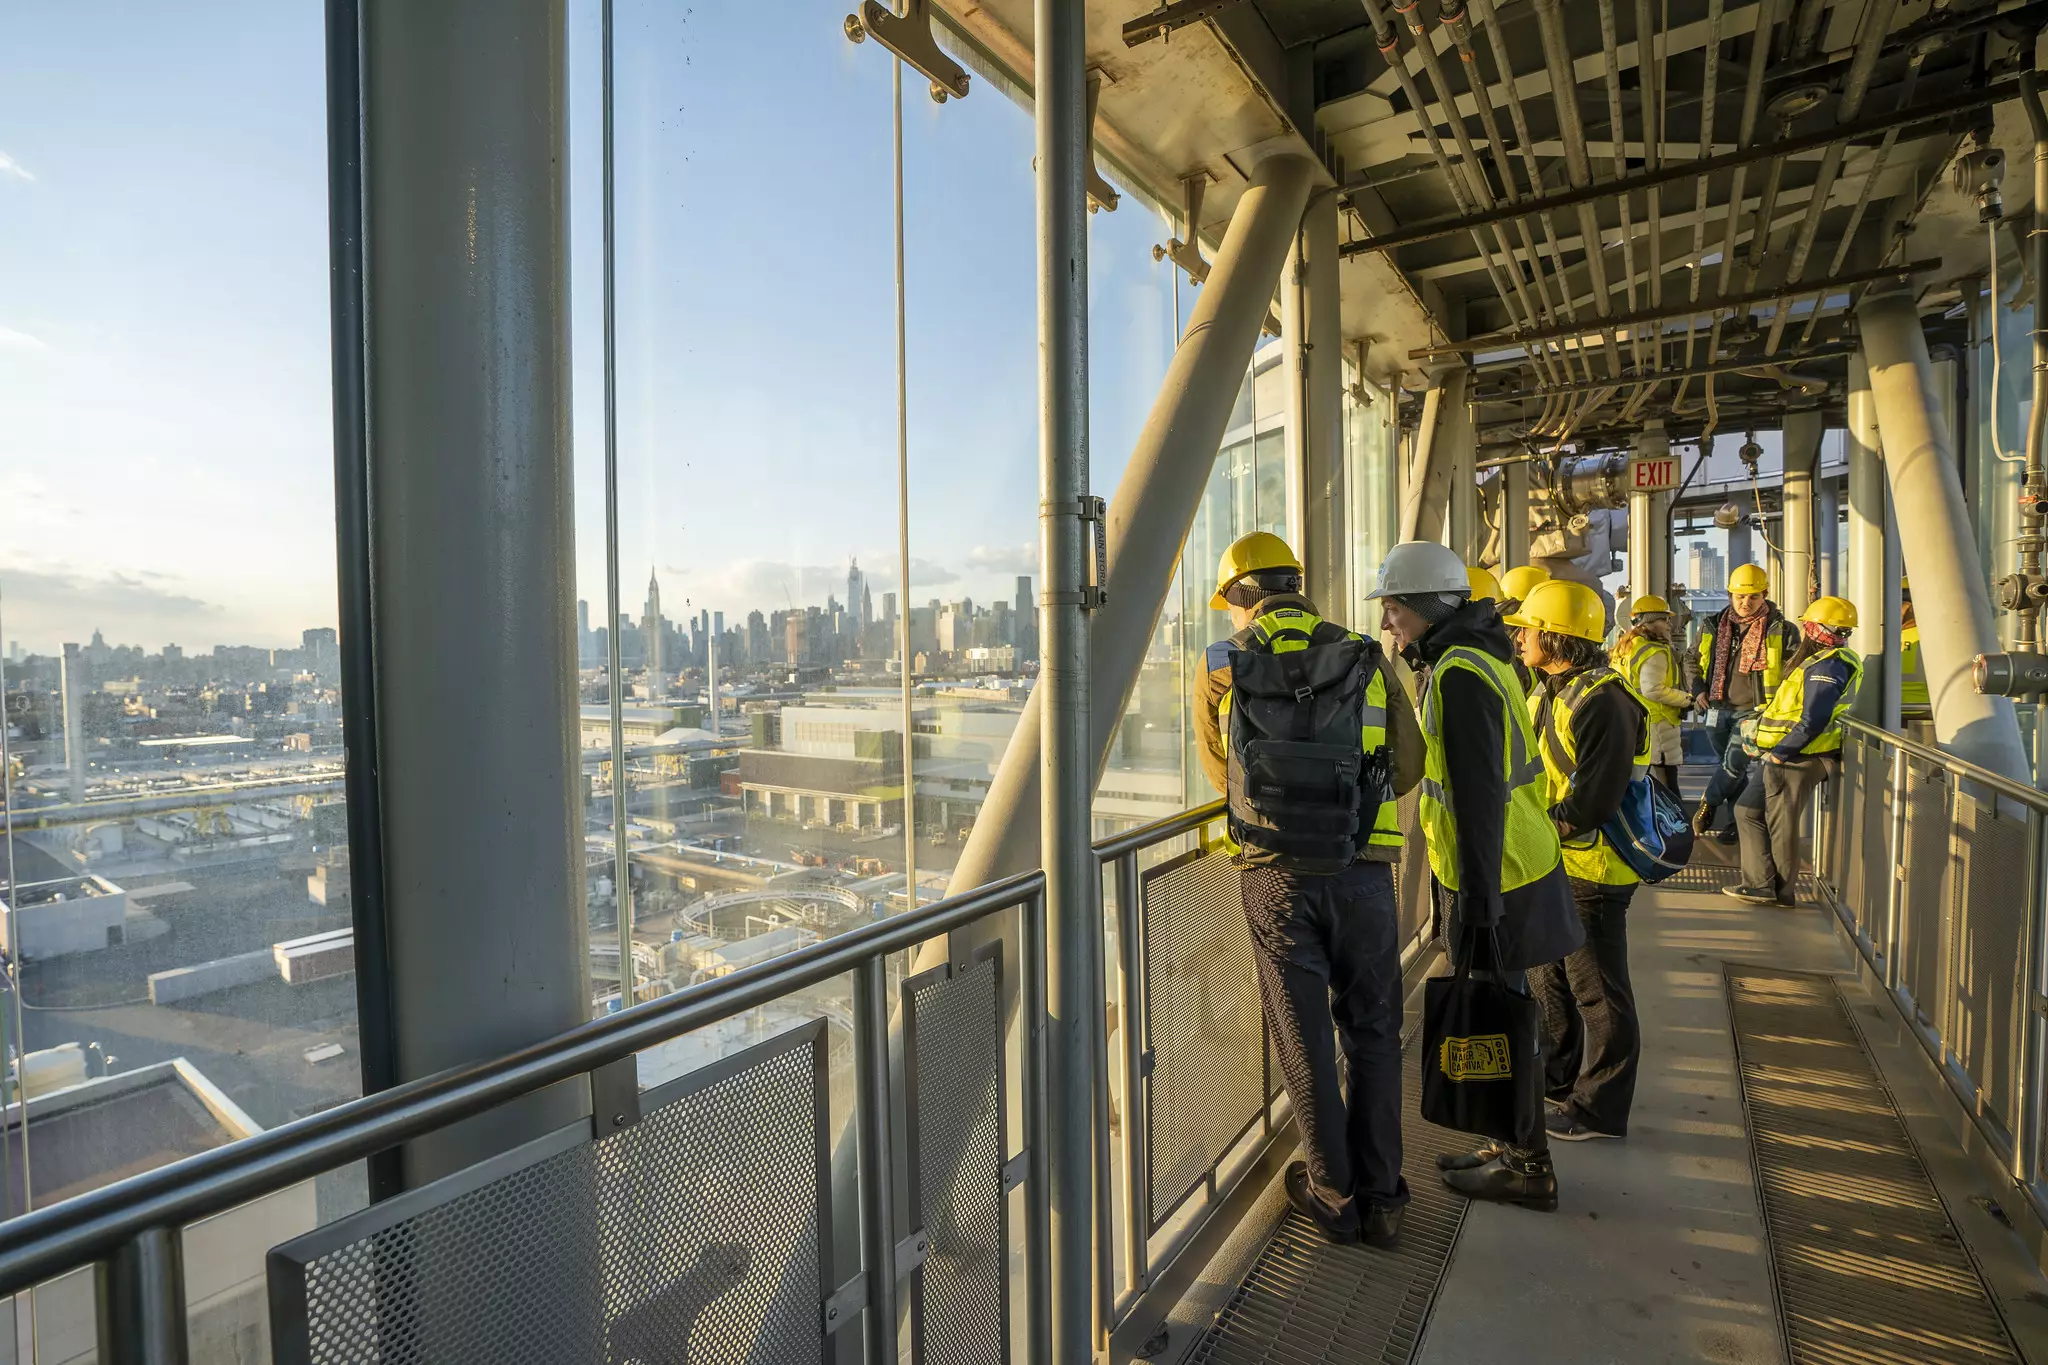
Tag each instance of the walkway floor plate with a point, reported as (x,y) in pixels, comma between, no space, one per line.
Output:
(1307,1302)
(1866,1263)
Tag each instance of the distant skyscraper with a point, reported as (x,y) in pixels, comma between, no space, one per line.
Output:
(889,608)
(857,600)
(1706,571)
(1026,624)
(650,626)
(583,654)
(322,649)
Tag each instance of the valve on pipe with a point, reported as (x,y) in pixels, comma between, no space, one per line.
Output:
(2010,675)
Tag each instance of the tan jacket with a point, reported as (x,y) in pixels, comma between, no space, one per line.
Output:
(1404,734)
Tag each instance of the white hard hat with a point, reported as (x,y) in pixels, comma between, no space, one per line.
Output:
(1421,566)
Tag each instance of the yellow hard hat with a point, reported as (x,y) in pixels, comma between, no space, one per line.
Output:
(1484,584)
(1836,613)
(1254,553)
(1564,607)
(1517,583)
(1649,604)
(1748,578)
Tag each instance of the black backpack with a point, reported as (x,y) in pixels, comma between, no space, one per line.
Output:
(1303,794)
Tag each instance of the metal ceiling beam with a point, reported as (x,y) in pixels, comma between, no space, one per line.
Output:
(1961,101)
(1675,313)
(1734,362)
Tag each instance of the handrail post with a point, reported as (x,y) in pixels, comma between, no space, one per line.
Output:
(1893,908)
(140,1301)
(1131,1016)
(1038,1181)
(877,1198)
(2025,1118)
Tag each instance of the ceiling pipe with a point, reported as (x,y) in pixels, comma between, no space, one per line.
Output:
(1956,102)
(1877,22)
(1699,191)
(1649,316)
(1831,351)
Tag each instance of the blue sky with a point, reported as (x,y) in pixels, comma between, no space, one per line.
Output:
(165,468)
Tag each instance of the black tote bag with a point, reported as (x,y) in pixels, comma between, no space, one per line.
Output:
(1482,1059)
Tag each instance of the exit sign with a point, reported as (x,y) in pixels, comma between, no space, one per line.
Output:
(1655,474)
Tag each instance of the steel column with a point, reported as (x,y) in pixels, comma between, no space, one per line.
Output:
(1936,538)
(465,141)
(1425,494)
(1827,536)
(1315,353)
(1458,441)
(1802,453)
(1155,502)
(1867,541)
(877,1156)
(1649,524)
(1514,515)
(1073,912)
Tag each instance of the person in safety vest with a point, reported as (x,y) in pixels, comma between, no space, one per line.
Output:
(1646,657)
(1742,653)
(1594,735)
(1493,851)
(1912,677)
(1323,919)
(1799,743)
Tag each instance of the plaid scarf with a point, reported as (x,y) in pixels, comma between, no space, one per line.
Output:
(1754,637)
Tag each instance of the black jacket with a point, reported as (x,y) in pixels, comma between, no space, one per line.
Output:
(1606,734)
(1531,924)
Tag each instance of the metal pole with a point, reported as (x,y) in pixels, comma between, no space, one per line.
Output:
(1458,442)
(1037,1140)
(1425,499)
(140,1301)
(358,666)
(1073,914)
(1802,452)
(615,675)
(903,515)
(473,544)
(1131,1013)
(1649,545)
(1324,545)
(1827,536)
(877,1198)
(1939,543)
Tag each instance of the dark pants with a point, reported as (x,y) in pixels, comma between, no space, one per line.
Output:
(1327,952)
(1727,782)
(1767,815)
(1591,1040)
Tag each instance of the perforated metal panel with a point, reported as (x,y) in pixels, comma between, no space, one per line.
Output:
(1202,1017)
(1923,896)
(1990,908)
(694,1234)
(1877,862)
(953,1064)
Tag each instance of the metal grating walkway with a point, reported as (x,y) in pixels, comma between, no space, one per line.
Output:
(1866,1264)
(1308,1301)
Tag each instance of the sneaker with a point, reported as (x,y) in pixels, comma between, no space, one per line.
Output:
(1567,1127)
(1500,1183)
(1382,1228)
(1754,895)
(1469,1161)
(1342,1231)
(1703,819)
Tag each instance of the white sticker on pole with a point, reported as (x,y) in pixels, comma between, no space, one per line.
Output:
(1653,473)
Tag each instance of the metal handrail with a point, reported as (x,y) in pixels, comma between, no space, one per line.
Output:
(1144,836)
(1960,767)
(92,1226)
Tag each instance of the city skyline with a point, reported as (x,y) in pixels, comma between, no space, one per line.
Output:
(165,415)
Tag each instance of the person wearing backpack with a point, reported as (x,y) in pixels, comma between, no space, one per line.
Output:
(1646,657)
(1492,849)
(1799,742)
(1594,735)
(1303,726)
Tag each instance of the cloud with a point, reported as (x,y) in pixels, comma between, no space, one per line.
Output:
(9,166)
(48,606)
(12,340)
(1010,559)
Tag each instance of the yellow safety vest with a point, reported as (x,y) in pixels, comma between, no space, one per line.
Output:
(1788,704)
(1913,692)
(1528,847)
(1286,630)
(1774,654)
(1631,657)
(1589,858)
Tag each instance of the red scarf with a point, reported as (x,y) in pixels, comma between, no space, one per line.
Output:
(1751,658)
